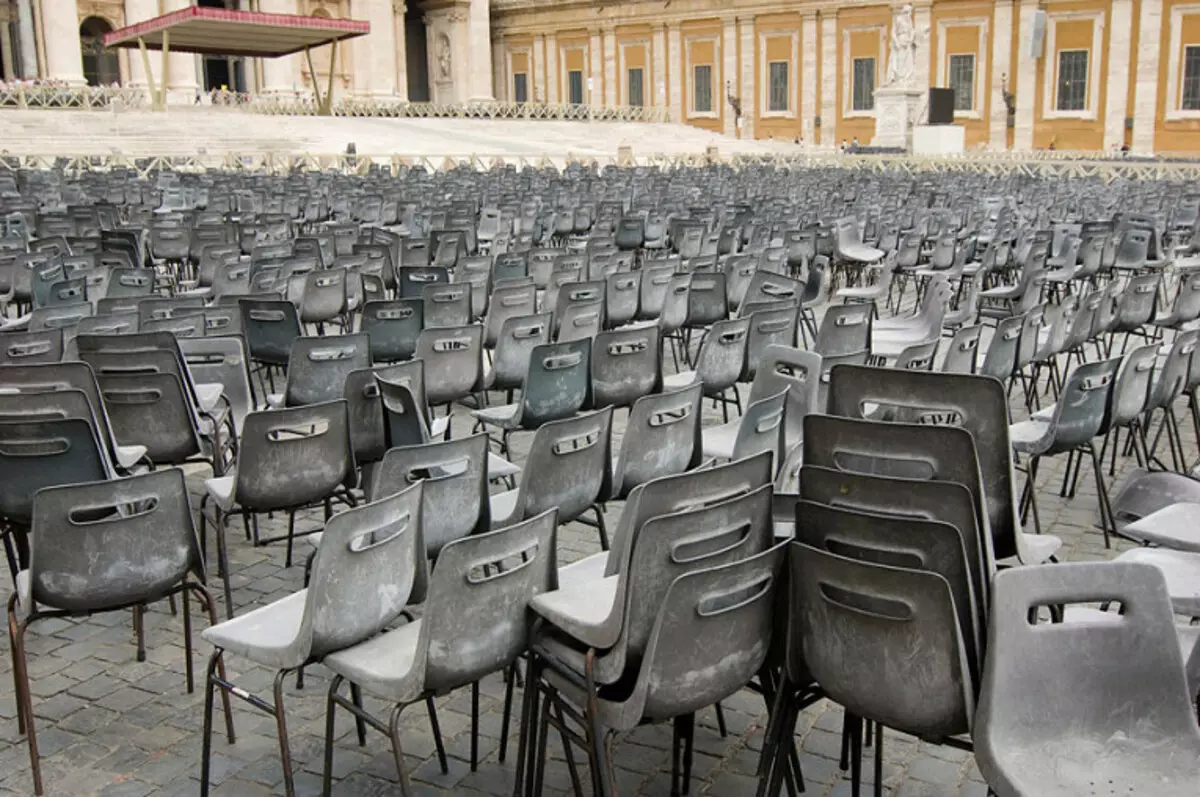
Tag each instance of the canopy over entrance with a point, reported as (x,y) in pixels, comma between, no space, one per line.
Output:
(219,31)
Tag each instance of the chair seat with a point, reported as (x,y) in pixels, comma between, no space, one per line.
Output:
(24,595)
(1035,549)
(384,665)
(438,427)
(1176,526)
(718,441)
(1031,437)
(266,636)
(866,292)
(208,395)
(589,568)
(275,400)
(679,380)
(501,468)
(503,506)
(582,610)
(221,490)
(503,415)
(1182,571)
(128,456)
(862,253)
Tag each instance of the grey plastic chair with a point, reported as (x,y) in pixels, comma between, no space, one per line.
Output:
(1168,385)
(626,365)
(30,348)
(393,326)
(1120,717)
(854,614)
(622,297)
(569,467)
(318,367)
(453,358)
(557,385)
(222,361)
(656,281)
(845,329)
(442,649)
(514,346)
(719,363)
(270,326)
(509,300)
(1000,359)
(719,613)
(447,305)
(580,321)
(362,576)
(1138,306)
(662,438)
(288,459)
(775,326)
(101,547)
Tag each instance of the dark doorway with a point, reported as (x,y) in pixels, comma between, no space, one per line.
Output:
(100,66)
(418,54)
(222,72)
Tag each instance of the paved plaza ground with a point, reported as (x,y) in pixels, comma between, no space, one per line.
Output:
(109,725)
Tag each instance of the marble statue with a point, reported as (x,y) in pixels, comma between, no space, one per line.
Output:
(902,58)
(443,56)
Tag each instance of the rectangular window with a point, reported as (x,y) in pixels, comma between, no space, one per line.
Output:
(1072,80)
(702,89)
(1191,79)
(575,87)
(778,82)
(637,97)
(520,87)
(962,81)
(864,84)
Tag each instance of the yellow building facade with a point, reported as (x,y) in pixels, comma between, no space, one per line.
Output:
(1062,74)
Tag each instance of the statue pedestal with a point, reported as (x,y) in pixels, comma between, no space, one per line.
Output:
(896,111)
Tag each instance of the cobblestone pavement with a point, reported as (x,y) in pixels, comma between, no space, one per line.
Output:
(110,725)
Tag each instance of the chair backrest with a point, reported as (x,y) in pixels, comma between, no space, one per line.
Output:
(58,317)
(1083,405)
(1123,677)
(270,326)
(662,439)
(799,373)
(151,409)
(722,356)
(1138,302)
(1173,375)
(569,466)
(1000,360)
(914,543)
(507,301)
(290,457)
(762,428)
(447,305)
(707,300)
(364,570)
(222,360)
(845,329)
(852,615)
(1132,387)
(655,284)
(58,404)
(918,357)
(711,635)
(51,377)
(392,326)
(476,618)
(29,348)
(455,502)
(37,454)
(453,358)
(318,367)
(110,544)
(626,365)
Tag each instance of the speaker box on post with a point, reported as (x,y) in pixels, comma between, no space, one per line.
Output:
(941,106)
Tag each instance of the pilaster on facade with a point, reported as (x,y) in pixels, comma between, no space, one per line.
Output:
(809,59)
(279,74)
(658,47)
(552,78)
(609,35)
(923,25)
(538,67)
(593,91)
(729,70)
(675,58)
(746,92)
(1026,88)
(1145,95)
(400,37)
(478,53)
(1003,79)
(182,83)
(829,78)
(1120,40)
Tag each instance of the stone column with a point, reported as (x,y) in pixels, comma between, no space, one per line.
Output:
(1026,85)
(6,50)
(656,93)
(552,76)
(1145,97)
(808,74)
(377,51)
(279,74)
(29,66)
(139,11)
(1002,75)
(749,83)
(729,75)
(593,92)
(479,35)
(181,67)
(829,79)
(538,68)
(501,80)
(610,66)
(1116,100)
(64,54)
(675,59)
(400,38)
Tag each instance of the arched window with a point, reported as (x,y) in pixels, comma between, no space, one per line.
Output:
(100,66)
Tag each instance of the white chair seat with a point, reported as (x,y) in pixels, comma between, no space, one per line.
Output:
(1176,526)
(1030,437)
(589,568)
(581,610)
(384,665)
(1038,548)
(266,636)
(275,400)
(221,490)
(501,468)
(438,427)
(718,441)
(128,456)
(503,506)
(1182,571)
(679,380)
(208,395)
(862,253)
(502,415)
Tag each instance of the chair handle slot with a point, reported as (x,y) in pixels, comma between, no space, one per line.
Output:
(562,361)
(270,316)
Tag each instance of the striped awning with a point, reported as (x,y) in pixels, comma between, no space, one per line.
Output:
(219,31)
